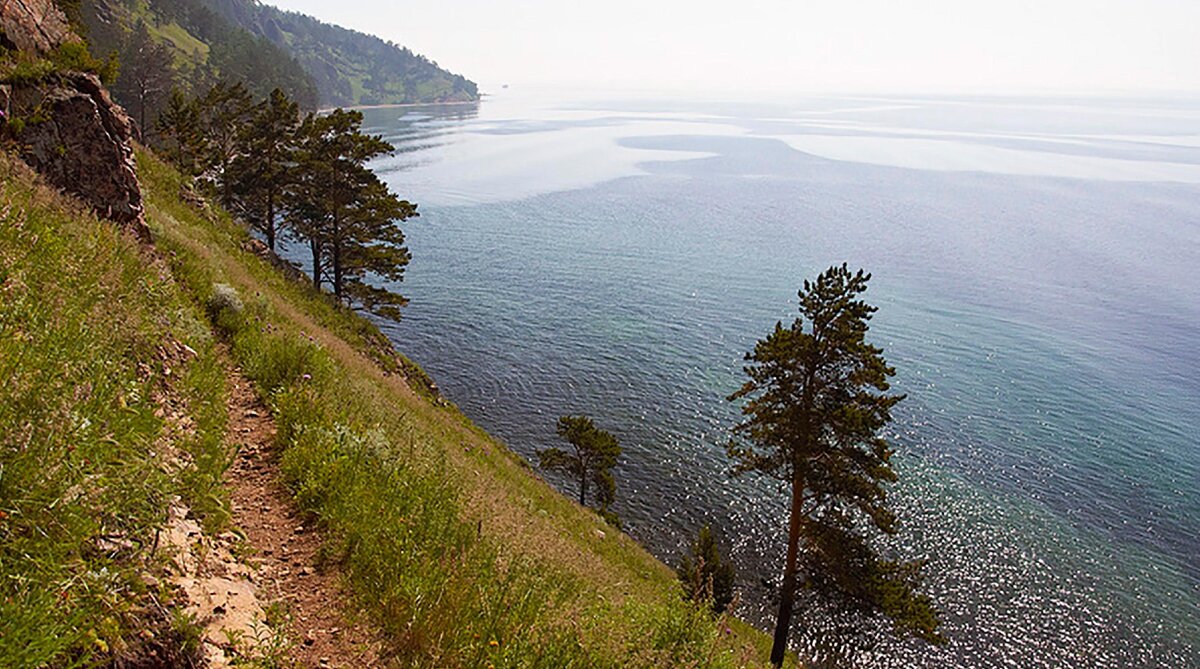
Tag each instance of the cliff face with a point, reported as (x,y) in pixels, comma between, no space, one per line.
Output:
(79,141)
(36,26)
(65,125)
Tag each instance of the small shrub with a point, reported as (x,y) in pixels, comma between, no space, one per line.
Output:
(225,309)
(225,296)
(704,574)
(25,69)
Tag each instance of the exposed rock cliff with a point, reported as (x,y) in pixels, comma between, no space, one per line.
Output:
(36,26)
(78,138)
(65,125)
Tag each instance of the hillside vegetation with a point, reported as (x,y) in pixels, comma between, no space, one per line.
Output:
(111,410)
(262,47)
(201,48)
(350,67)
(455,552)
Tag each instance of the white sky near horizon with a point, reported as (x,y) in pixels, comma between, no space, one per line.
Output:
(897,46)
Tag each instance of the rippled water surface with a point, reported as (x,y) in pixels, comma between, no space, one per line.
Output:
(1035,266)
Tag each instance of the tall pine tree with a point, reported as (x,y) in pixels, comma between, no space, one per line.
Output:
(347,215)
(814,408)
(179,132)
(262,172)
(224,111)
(146,76)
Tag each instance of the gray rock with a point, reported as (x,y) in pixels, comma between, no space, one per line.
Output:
(79,140)
(33,25)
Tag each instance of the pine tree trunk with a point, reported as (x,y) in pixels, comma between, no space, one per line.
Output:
(316,262)
(335,255)
(144,94)
(783,622)
(583,489)
(270,227)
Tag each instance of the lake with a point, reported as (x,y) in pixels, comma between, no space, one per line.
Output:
(1034,262)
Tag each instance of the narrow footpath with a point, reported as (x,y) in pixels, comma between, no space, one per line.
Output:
(284,549)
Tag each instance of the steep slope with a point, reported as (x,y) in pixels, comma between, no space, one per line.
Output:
(456,552)
(350,67)
(126,420)
(111,414)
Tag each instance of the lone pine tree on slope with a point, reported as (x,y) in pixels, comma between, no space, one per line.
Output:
(593,454)
(815,405)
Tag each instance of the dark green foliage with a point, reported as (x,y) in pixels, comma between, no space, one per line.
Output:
(308,178)
(75,56)
(814,408)
(593,454)
(704,574)
(17,67)
(180,133)
(147,76)
(203,47)
(350,68)
(261,175)
(224,111)
(346,214)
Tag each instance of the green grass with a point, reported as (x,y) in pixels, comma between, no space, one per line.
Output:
(459,555)
(192,49)
(113,406)
(105,417)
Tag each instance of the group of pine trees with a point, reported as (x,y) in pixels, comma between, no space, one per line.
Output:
(301,177)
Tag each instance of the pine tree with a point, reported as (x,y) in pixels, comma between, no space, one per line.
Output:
(347,215)
(146,75)
(816,403)
(224,111)
(261,173)
(179,132)
(593,454)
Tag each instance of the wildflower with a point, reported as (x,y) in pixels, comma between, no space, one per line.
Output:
(306,377)
(494,644)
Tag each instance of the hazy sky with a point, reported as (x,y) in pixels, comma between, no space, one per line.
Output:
(836,45)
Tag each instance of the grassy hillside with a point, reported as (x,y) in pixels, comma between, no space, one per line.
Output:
(113,407)
(458,552)
(350,67)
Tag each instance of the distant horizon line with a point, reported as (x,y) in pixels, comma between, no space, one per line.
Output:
(495,87)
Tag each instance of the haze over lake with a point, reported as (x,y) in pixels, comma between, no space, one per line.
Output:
(1034,264)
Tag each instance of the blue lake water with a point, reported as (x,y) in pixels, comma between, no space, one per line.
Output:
(1035,264)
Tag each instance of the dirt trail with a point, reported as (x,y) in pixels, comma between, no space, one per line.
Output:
(284,549)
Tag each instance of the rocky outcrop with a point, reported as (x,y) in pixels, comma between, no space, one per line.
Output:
(72,132)
(36,26)
(66,126)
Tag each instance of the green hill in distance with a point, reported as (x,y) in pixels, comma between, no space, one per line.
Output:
(349,67)
(318,64)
